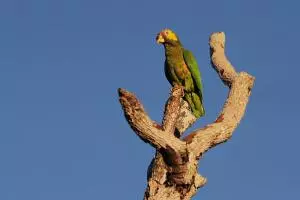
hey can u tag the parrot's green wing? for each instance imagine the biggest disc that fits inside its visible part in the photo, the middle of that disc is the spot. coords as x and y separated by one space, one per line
191 62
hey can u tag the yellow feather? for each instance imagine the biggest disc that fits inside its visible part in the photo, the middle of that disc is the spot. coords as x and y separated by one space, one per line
170 34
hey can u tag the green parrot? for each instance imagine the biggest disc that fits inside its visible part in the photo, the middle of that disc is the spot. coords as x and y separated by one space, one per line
181 68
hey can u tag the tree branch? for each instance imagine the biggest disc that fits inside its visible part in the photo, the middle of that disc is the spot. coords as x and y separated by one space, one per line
219 60
172 109
150 131
234 108
185 119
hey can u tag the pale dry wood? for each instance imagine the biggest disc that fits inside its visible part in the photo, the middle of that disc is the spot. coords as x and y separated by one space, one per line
172 109
185 119
173 173
219 60
234 108
150 131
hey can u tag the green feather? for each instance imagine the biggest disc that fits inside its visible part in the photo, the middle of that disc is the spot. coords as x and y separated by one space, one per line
191 62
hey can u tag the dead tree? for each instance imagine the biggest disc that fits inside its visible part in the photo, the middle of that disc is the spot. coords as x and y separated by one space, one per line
173 172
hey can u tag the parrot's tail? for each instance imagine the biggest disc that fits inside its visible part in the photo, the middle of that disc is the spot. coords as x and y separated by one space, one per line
196 104
199 110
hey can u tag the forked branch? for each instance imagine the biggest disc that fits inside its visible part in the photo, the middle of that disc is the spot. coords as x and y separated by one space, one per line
173 173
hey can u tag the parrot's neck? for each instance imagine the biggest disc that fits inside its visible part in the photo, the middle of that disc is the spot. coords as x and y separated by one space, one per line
173 51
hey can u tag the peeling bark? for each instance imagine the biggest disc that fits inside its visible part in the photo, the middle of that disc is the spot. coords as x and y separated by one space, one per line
173 172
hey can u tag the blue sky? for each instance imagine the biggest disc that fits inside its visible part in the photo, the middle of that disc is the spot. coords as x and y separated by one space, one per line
62 132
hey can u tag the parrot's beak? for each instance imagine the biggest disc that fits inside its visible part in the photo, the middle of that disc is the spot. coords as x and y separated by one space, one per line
160 39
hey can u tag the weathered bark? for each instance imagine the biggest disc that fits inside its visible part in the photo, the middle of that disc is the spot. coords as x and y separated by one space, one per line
173 172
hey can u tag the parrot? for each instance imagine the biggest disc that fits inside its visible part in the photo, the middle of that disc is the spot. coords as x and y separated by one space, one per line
181 68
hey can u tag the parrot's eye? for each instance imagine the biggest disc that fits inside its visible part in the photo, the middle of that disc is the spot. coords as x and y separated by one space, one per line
167 32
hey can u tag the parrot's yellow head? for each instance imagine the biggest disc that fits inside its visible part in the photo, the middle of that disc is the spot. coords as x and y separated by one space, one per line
166 36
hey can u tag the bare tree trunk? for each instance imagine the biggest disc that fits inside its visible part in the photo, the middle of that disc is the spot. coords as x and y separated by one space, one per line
173 172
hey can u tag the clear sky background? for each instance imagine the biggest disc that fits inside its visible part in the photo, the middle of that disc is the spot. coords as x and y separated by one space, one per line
62 131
